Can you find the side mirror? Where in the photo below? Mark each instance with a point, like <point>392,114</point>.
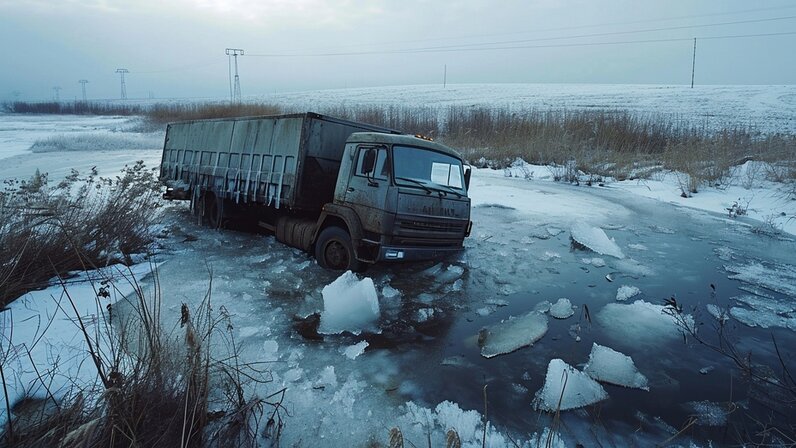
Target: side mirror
<point>467,172</point>
<point>369,161</point>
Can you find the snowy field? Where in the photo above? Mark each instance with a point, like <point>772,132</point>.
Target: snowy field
<point>764,108</point>
<point>555,280</point>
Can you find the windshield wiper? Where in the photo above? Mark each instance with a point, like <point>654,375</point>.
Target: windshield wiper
<point>417,182</point>
<point>449,188</point>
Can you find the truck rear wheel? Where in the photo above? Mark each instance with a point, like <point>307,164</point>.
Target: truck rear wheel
<point>334,251</point>
<point>211,212</point>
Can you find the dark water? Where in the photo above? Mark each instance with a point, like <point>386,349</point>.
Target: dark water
<point>682,252</point>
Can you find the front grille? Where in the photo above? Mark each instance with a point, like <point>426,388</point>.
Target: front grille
<point>428,226</point>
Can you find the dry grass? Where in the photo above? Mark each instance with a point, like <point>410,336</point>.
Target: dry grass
<point>83,222</point>
<point>158,383</point>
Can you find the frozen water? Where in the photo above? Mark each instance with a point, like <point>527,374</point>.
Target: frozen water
<point>327,378</point>
<point>769,304</point>
<point>640,322</point>
<point>637,246</point>
<point>632,268</point>
<point>543,306</point>
<point>595,239</point>
<point>496,302</point>
<point>708,413</point>
<point>349,304</point>
<point>485,311</point>
<point>512,334</point>
<point>627,292</point>
<point>352,351</point>
<point>610,366</point>
<point>549,255</point>
<point>774,277</point>
<point>566,388</point>
<point>562,309</point>
<point>765,312</point>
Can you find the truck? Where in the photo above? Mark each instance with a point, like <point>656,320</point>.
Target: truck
<point>352,194</point>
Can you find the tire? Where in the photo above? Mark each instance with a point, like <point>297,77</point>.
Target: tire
<point>211,211</point>
<point>334,251</point>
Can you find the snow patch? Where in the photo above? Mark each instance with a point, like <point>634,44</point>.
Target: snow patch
<point>349,304</point>
<point>566,388</point>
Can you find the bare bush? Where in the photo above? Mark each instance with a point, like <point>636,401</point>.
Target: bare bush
<point>84,221</point>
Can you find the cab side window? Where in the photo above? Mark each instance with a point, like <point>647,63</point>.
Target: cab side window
<point>382,167</point>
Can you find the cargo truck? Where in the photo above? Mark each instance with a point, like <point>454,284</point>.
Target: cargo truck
<point>350,193</point>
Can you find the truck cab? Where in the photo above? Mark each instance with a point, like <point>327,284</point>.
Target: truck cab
<point>410,195</point>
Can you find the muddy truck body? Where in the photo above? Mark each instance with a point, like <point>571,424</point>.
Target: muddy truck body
<point>350,193</point>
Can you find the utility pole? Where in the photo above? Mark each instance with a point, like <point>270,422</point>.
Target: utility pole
<point>83,88</point>
<point>445,77</point>
<point>693,64</point>
<point>234,92</point>
<point>121,72</point>
<point>57,90</point>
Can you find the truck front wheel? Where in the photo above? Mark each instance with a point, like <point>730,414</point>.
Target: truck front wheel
<point>334,251</point>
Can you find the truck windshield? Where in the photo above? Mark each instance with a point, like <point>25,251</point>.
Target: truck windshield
<point>415,165</point>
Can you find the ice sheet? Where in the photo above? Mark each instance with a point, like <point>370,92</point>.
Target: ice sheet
<point>595,239</point>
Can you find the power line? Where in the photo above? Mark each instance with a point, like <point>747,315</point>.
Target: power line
<point>472,47</point>
<point>567,28</point>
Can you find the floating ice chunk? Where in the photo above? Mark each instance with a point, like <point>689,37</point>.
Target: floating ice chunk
<point>512,334</point>
<point>549,255</point>
<point>637,246</point>
<point>775,277</point>
<point>496,302</point>
<point>352,351</point>
<point>627,292</point>
<point>327,378</point>
<point>708,413</point>
<point>595,239</point>
<point>762,319</point>
<point>388,292</point>
<point>485,311</point>
<point>270,348</point>
<point>449,275</point>
<point>640,323</point>
<point>562,309</point>
<point>554,231</point>
<point>610,366</point>
<point>424,314</point>
<point>769,304</point>
<point>566,388</point>
<point>542,307</point>
<point>247,332</point>
<point>633,268</point>
<point>724,253</point>
<point>349,304</point>
<point>596,262</point>
<point>720,314</point>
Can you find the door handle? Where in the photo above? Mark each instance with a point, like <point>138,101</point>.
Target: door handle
<point>350,189</point>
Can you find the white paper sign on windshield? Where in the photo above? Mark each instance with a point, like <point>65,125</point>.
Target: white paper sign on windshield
<point>440,173</point>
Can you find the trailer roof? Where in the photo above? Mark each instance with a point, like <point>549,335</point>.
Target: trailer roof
<point>401,139</point>
<point>311,115</point>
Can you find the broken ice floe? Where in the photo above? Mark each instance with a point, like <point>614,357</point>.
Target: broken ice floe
<point>595,239</point>
<point>640,323</point>
<point>708,413</point>
<point>512,334</point>
<point>610,366</point>
<point>353,351</point>
<point>764,312</point>
<point>717,312</point>
<point>562,309</point>
<point>627,292</point>
<point>542,307</point>
<point>637,246</point>
<point>596,262</point>
<point>349,304</point>
<point>774,276</point>
<point>388,292</point>
<point>632,268</point>
<point>566,388</point>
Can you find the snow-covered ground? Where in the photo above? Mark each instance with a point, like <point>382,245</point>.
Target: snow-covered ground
<point>419,361</point>
<point>765,108</point>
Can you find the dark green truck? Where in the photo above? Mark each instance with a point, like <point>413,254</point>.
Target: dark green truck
<point>351,193</point>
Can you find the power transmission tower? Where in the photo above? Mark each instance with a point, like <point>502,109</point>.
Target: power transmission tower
<point>693,65</point>
<point>234,92</point>
<point>121,72</point>
<point>83,87</point>
<point>57,93</point>
<point>445,77</point>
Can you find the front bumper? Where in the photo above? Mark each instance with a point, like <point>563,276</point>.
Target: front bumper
<point>388,253</point>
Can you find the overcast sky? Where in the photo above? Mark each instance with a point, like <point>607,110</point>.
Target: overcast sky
<point>175,48</point>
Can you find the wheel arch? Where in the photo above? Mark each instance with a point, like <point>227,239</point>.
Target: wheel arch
<point>343,217</point>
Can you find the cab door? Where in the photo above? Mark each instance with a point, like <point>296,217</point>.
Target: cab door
<point>369,184</point>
